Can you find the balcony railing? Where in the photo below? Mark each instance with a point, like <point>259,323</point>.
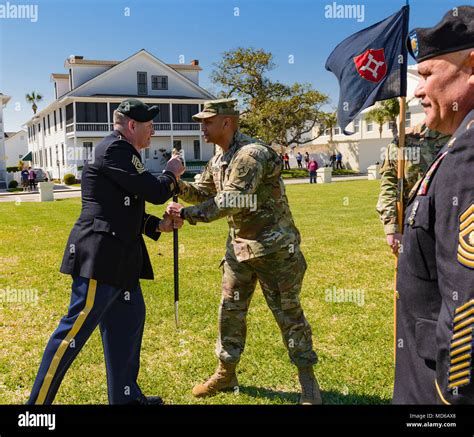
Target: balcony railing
<point>93,127</point>
<point>161,126</point>
<point>106,127</point>
<point>186,126</point>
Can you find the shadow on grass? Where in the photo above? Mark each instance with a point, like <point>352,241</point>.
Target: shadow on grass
<point>329,397</point>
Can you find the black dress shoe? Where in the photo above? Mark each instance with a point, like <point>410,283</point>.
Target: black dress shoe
<point>147,400</point>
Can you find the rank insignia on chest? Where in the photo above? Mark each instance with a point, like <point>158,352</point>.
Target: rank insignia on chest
<point>138,164</point>
<point>423,188</point>
<point>466,238</point>
<point>411,219</point>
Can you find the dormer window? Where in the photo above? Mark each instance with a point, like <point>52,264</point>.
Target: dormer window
<point>159,82</point>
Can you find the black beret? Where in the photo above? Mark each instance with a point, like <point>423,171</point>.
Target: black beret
<point>137,110</point>
<point>453,33</point>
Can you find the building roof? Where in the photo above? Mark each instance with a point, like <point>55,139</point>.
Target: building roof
<point>10,135</point>
<point>4,98</point>
<point>140,52</point>
<point>59,76</point>
<point>185,67</point>
<point>113,65</point>
<point>79,60</point>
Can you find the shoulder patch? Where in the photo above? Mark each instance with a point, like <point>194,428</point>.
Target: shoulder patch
<point>466,238</point>
<point>138,164</point>
<point>254,150</point>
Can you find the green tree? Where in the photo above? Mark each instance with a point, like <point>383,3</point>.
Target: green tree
<point>329,121</point>
<point>33,99</point>
<point>377,115</point>
<point>392,108</point>
<point>272,111</point>
<point>383,112</point>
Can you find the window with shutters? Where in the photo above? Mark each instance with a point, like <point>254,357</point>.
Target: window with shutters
<point>142,83</point>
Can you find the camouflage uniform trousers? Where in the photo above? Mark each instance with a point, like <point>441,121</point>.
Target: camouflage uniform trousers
<point>280,275</point>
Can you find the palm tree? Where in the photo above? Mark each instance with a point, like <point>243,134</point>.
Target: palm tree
<point>392,108</point>
<point>385,111</point>
<point>329,121</point>
<point>34,98</point>
<point>379,116</point>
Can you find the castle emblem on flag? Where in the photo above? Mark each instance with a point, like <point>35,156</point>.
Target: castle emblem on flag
<point>371,65</point>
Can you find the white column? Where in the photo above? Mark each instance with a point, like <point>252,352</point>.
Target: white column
<point>171,125</point>
<point>200,137</point>
<point>43,147</point>
<point>3,163</point>
<point>76,153</point>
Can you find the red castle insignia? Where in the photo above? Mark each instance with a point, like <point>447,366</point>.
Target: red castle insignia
<point>371,65</point>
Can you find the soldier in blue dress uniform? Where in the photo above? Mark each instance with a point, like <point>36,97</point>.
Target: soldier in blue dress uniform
<point>435,285</point>
<point>106,256</point>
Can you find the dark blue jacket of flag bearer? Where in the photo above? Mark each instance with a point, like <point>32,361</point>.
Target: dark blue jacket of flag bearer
<point>435,308</point>
<point>106,242</point>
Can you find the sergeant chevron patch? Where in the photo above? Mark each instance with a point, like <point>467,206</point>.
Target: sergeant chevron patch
<point>466,238</point>
<point>137,164</point>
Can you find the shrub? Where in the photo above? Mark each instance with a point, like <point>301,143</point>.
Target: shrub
<point>13,184</point>
<point>69,179</point>
<point>294,173</point>
<point>343,172</point>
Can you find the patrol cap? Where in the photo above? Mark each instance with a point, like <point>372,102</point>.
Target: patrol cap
<point>217,107</point>
<point>453,33</point>
<point>137,110</point>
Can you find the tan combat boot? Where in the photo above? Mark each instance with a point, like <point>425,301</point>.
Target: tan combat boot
<point>224,378</point>
<point>310,394</point>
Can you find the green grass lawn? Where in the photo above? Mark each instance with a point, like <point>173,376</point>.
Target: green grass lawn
<point>344,246</point>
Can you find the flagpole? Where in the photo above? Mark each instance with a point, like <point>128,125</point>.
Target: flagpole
<point>400,207</point>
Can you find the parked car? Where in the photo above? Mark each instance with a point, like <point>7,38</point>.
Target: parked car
<point>41,175</point>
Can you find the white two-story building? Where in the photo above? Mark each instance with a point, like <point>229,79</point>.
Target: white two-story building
<point>62,135</point>
<point>366,147</point>
<point>16,147</point>
<point>3,157</point>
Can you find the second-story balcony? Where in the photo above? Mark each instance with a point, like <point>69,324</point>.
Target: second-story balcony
<point>99,129</point>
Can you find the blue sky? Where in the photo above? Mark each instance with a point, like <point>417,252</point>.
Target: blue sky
<point>197,29</point>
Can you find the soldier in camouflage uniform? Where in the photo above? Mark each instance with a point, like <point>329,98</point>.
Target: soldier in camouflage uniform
<point>243,183</point>
<point>422,146</point>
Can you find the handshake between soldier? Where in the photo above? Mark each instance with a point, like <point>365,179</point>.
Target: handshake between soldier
<point>107,256</point>
<point>171,220</point>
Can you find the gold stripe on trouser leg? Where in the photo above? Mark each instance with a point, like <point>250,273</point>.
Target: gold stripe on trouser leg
<point>441,394</point>
<point>65,343</point>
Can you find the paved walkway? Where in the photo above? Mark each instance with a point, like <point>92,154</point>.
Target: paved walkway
<point>334,179</point>
<point>65,192</point>
<point>60,192</point>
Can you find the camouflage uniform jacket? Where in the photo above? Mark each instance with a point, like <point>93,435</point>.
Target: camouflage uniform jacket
<point>244,184</point>
<point>422,146</point>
